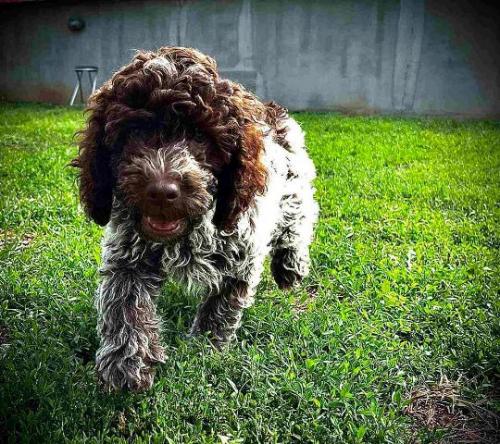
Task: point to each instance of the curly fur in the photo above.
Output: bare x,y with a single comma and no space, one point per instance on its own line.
244,180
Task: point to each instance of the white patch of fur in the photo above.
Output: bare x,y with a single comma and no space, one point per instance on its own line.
295,136
160,65
173,159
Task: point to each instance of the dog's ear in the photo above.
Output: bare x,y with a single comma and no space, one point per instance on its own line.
242,179
94,161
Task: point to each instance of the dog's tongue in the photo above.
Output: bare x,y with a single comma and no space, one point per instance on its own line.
163,225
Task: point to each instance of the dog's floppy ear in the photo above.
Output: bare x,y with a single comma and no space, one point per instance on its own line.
94,161
242,179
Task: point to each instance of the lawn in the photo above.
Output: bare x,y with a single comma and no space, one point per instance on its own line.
398,319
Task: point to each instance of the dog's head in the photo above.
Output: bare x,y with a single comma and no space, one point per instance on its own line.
170,138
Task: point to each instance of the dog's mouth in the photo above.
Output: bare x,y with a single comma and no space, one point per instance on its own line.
161,228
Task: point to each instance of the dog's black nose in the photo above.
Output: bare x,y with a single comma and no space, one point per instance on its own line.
163,190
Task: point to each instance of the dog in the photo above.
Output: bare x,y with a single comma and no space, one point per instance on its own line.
198,181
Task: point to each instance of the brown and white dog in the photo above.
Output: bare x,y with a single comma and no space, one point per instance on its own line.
195,180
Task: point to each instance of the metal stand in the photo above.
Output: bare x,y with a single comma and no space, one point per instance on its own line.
80,70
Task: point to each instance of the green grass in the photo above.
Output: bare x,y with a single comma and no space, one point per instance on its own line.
404,289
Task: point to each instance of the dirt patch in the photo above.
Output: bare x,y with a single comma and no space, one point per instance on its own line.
443,406
9,236
25,241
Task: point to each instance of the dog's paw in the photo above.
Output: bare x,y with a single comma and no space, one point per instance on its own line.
287,279
118,372
288,268
116,378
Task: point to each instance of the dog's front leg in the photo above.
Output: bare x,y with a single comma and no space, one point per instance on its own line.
128,327
220,313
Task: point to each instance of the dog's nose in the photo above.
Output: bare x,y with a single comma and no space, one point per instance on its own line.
163,190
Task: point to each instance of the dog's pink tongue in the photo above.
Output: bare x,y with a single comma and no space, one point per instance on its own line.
163,225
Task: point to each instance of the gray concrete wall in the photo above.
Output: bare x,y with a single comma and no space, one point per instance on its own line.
410,56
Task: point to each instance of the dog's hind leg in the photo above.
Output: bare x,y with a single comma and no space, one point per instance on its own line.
299,211
290,247
220,313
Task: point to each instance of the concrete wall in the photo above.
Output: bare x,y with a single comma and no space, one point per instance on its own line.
410,56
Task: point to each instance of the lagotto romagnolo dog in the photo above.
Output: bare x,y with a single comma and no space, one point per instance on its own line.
195,180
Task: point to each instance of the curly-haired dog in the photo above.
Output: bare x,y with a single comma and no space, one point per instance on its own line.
198,181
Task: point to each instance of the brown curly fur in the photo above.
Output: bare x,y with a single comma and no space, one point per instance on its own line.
190,96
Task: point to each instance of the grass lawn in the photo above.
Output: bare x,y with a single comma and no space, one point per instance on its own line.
399,318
